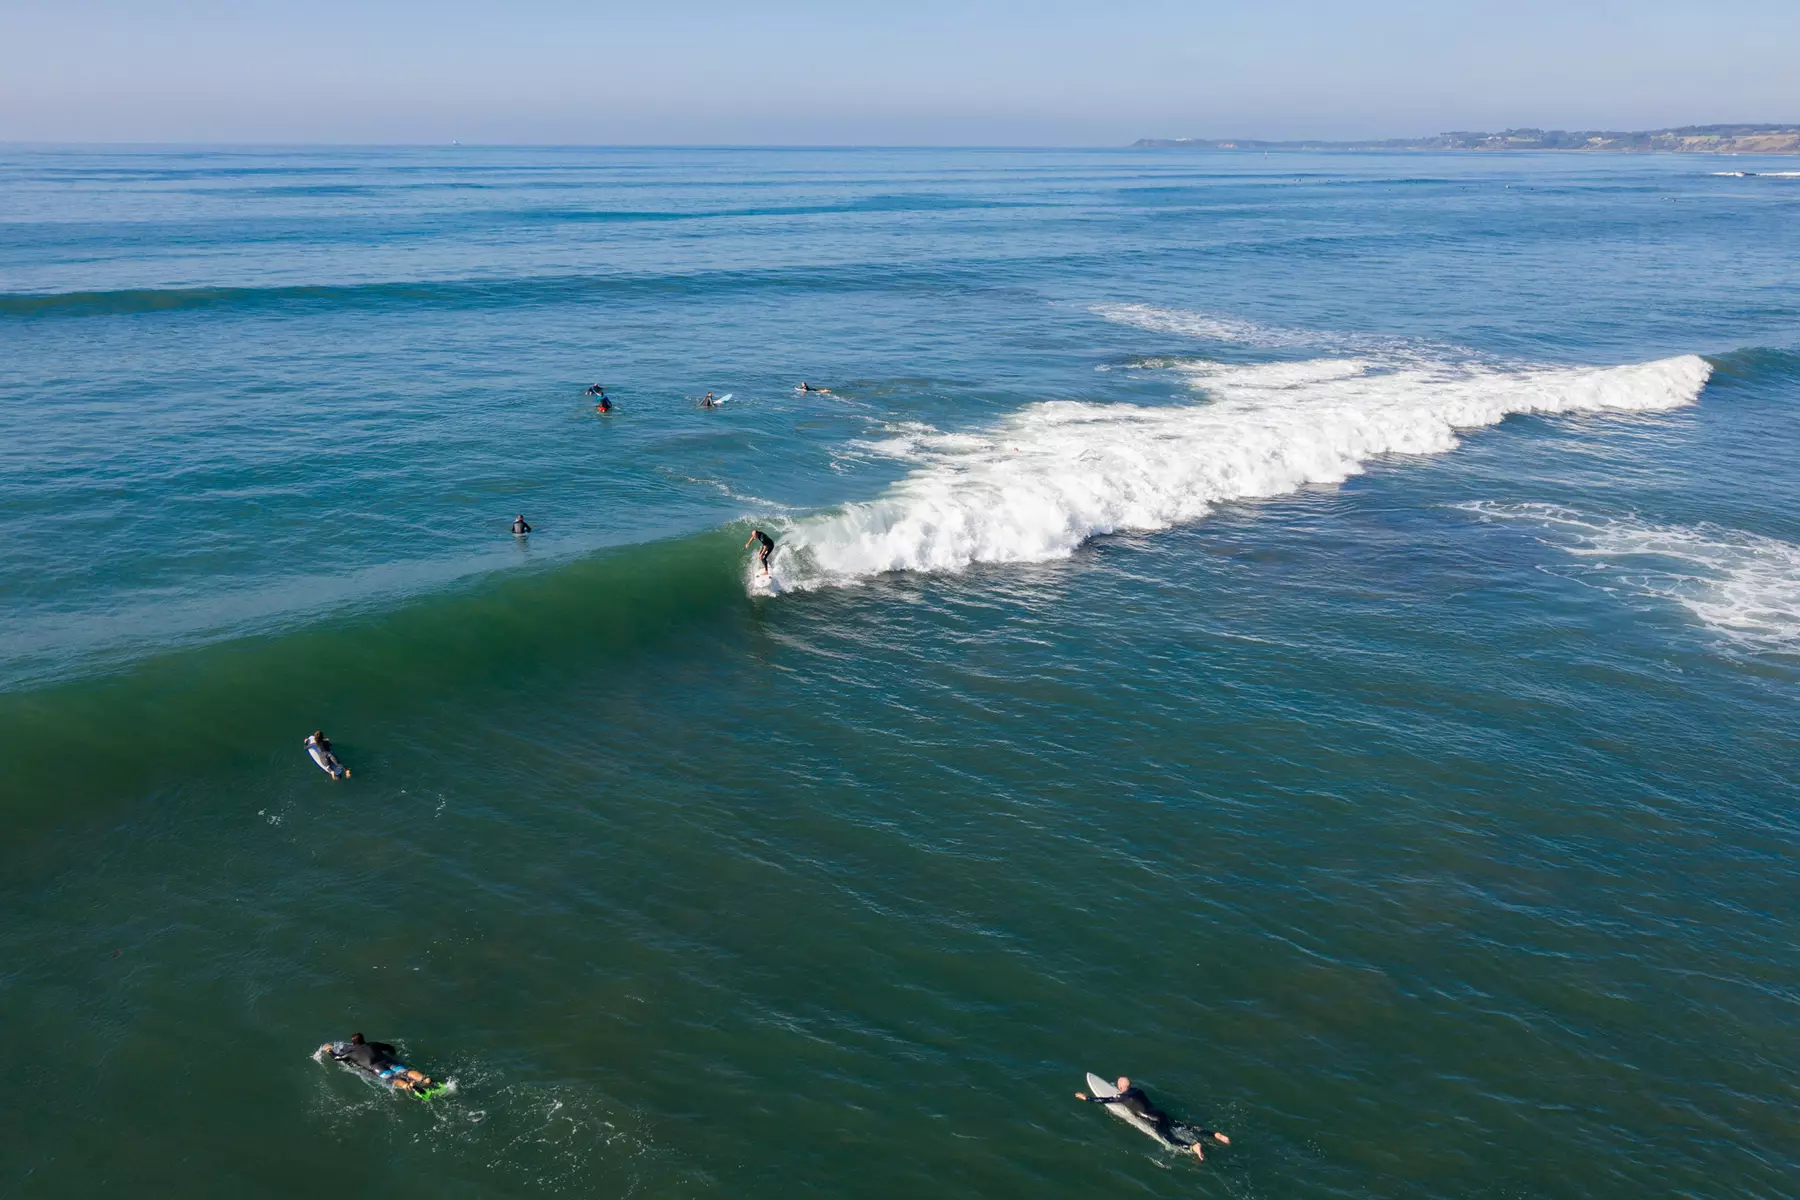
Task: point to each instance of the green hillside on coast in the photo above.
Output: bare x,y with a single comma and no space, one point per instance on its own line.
1688,139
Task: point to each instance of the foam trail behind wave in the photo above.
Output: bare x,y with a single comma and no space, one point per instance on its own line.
1055,474
1206,325
1744,585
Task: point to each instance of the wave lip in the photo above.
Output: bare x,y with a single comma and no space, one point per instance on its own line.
1054,474
1743,585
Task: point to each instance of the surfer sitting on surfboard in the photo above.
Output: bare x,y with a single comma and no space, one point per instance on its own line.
380,1060
1133,1101
768,547
706,401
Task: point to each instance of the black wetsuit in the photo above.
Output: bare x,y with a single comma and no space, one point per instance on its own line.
519,526
596,390
373,1057
768,546
1133,1101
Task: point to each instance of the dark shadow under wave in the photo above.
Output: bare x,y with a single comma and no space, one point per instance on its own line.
474,293
77,747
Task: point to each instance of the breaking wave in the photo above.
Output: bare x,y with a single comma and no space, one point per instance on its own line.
1743,585
1054,474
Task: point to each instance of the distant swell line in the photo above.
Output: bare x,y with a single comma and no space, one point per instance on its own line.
453,294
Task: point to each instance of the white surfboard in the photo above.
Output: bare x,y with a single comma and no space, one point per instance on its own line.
327,763
723,399
1099,1087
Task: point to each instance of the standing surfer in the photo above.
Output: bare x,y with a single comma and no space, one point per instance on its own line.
768,547
1134,1101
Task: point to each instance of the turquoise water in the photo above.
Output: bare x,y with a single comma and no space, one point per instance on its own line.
1315,633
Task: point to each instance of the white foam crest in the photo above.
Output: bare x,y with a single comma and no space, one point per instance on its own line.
1744,585
1204,325
1057,473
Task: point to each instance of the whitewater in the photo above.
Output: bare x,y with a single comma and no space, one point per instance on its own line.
1742,585
1047,478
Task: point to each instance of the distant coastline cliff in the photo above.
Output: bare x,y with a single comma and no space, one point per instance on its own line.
1689,139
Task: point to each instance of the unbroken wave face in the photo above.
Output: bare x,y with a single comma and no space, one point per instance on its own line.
1053,475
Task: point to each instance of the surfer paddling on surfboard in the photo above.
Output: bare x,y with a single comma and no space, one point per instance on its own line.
1131,1103
768,547
807,387
378,1059
319,747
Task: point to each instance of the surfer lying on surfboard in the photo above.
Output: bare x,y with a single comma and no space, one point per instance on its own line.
807,387
319,746
380,1060
1153,1120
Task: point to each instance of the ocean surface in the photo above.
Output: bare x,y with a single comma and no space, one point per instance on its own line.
1316,633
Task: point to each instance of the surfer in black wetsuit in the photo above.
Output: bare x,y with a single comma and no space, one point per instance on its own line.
807,387
519,525
1133,1101
596,390
605,405
375,1058
768,547
707,401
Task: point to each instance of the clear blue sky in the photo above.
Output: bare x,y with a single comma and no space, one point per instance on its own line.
982,72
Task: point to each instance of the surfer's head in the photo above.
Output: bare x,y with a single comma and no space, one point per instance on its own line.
318,735
356,1039
1124,1084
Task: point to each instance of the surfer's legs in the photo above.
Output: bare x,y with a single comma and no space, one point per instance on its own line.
1189,1137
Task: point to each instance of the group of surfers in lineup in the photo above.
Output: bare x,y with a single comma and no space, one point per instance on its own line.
604,406
380,1061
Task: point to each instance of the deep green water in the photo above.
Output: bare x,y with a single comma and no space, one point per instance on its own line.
1317,634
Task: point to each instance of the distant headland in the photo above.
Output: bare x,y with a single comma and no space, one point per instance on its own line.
1689,139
